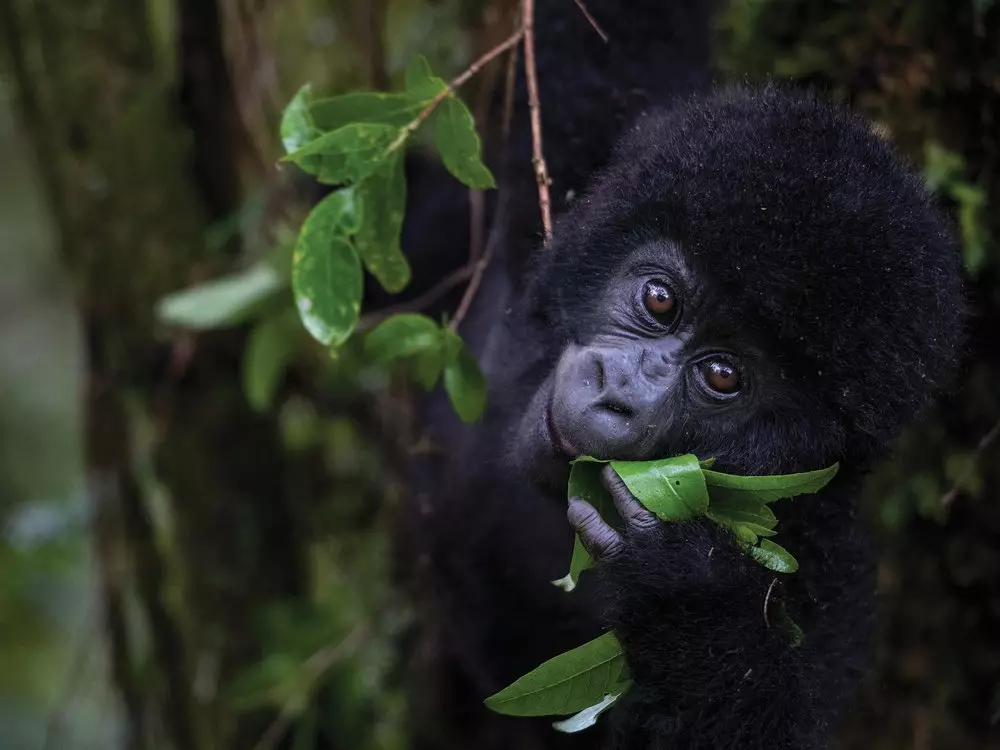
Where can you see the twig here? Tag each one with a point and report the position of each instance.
(767, 600)
(448, 90)
(591, 20)
(428, 298)
(987, 440)
(537, 158)
(470, 291)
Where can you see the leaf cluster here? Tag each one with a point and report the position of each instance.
(590, 678)
(356, 143)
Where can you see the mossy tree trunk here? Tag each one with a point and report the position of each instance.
(138, 161)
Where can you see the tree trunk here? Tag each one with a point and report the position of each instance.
(133, 194)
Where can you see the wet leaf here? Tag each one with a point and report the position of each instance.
(223, 302)
(396, 110)
(671, 488)
(573, 681)
(348, 154)
(463, 380)
(774, 557)
(773, 487)
(402, 336)
(377, 241)
(326, 274)
(585, 483)
(458, 143)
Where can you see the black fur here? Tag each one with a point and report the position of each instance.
(821, 248)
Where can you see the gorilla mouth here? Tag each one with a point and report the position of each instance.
(556, 439)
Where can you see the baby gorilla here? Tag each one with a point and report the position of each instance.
(753, 279)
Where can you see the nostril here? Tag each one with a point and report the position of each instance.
(599, 367)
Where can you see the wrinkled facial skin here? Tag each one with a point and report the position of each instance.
(664, 368)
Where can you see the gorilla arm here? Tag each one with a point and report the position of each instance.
(701, 624)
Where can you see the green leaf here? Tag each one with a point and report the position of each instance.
(348, 154)
(377, 241)
(427, 366)
(458, 144)
(402, 336)
(397, 110)
(326, 274)
(420, 81)
(297, 126)
(774, 556)
(223, 302)
(571, 682)
(585, 483)
(269, 349)
(672, 488)
(773, 487)
(463, 380)
(588, 716)
(741, 508)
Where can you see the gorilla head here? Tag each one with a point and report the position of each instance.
(755, 278)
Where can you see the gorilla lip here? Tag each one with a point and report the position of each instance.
(555, 437)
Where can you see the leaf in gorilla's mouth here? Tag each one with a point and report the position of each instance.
(674, 489)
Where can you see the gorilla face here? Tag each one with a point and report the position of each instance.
(662, 366)
(754, 278)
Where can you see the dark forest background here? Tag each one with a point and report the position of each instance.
(194, 523)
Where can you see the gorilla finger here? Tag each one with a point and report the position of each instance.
(599, 539)
(631, 510)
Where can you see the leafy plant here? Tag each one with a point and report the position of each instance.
(590, 678)
(354, 142)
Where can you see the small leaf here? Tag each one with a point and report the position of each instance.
(464, 381)
(268, 351)
(773, 487)
(427, 366)
(568, 683)
(377, 241)
(585, 483)
(402, 336)
(459, 146)
(420, 81)
(348, 154)
(741, 507)
(397, 110)
(774, 556)
(326, 274)
(672, 488)
(223, 302)
(588, 716)
(297, 127)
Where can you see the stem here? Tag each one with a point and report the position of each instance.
(448, 90)
(534, 106)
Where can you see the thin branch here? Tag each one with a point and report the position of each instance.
(425, 300)
(534, 107)
(470, 291)
(591, 20)
(767, 600)
(448, 90)
(987, 440)
(510, 85)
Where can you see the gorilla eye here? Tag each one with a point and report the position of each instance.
(720, 376)
(659, 300)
